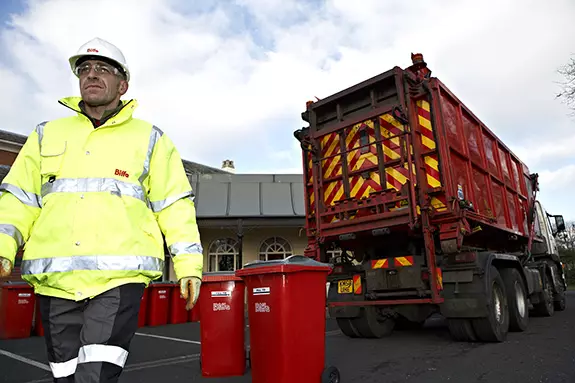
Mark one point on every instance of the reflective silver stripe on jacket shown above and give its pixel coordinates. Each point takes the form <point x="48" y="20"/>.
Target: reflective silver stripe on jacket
<point x="92" y="262"/>
<point x="87" y="185"/>
<point x="154" y="138"/>
<point x="158" y="206"/>
<point x="13" y="232"/>
<point x="27" y="198"/>
<point x="186" y="248"/>
<point x="40" y="132"/>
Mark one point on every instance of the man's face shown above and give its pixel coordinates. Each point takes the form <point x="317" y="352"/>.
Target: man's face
<point x="100" y="83"/>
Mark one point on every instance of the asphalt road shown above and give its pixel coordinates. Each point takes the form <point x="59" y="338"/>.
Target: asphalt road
<point x="544" y="353"/>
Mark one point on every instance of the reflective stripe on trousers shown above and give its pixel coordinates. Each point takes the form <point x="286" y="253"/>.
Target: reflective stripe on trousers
<point x="90" y="353"/>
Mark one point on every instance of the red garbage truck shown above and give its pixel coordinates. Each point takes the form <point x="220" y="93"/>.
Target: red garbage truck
<point x="422" y="209"/>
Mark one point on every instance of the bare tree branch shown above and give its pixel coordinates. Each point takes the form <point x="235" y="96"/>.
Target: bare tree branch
<point x="567" y="93"/>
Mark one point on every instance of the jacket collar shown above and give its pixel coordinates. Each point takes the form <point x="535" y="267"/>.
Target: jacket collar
<point x="123" y="115"/>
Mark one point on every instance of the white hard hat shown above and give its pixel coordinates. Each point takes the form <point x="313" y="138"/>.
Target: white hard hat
<point x="102" y="48"/>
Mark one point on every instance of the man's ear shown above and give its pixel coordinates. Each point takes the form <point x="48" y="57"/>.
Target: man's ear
<point x="123" y="88"/>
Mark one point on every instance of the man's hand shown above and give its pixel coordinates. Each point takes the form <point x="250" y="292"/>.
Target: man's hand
<point x="5" y="267"/>
<point x="190" y="290"/>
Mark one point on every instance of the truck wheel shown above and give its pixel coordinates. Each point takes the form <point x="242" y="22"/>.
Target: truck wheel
<point x="560" y="301"/>
<point x="495" y="326"/>
<point x="330" y="375"/>
<point x="516" y="299"/>
<point x="559" y="296"/>
<point x="346" y="327"/>
<point x="461" y="329"/>
<point x="368" y="325"/>
<point x="546" y="306"/>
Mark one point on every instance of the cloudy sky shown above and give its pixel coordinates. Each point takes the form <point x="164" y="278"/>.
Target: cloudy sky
<point x="230" y="80"/>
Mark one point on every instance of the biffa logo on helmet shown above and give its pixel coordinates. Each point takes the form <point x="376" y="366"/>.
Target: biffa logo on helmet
<point x="121" y="173"/>
<point x="92" y="50"/>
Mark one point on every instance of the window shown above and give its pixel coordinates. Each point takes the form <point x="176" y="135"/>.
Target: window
<point x="274" y="248"/>
<point x="223" y="254"/>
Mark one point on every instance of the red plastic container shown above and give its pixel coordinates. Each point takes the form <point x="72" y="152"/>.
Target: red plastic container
<point x="222" y="329"/>
<point x="38" y="327"/>
<point x="178" y="312"/>
<point x="159" y="303"/>
<point x="17" y="304"/>
<point x="286" y="311"/>
<point x="142" y="316"/>
<point x="194" y="313"/>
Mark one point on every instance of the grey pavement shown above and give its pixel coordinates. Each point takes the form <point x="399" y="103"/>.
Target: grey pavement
<point x="544" y="353"/>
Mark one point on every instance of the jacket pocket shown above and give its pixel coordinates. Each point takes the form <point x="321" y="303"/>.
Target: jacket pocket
<point x="52" y="157"/>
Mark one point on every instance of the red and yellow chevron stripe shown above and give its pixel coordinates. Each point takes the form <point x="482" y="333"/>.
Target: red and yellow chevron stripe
<point x="403" y="261"/>
<point x="431" y="159"/>
<point x="439" y="279"/>
<point x="361" y="156"/>
<point x="379" y="264"/>
<point x="331" y="167"/>
<point x="309" y="181"/>
<point x="357" y="284"/>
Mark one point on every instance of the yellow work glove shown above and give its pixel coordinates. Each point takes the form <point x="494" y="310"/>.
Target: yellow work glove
<point x="5" y="267"/>
<point x="190" y="290"/>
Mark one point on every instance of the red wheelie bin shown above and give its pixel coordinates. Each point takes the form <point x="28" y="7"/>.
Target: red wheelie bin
<point x="17" y="305"/>
<point x="178" y="312"/>
<point x="143" y="315"/>
<point x="222" y="327"/>
<point x="158" y="303"/>
<point x="286" y="313"/>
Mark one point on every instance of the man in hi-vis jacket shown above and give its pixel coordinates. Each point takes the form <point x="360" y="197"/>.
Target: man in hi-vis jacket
<point x="90" y="196"/>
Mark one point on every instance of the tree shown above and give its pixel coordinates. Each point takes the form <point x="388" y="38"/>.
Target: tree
<point x="568" y="85"/>
<point x="566" y="245"/>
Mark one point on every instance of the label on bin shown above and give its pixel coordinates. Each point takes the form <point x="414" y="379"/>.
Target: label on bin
<point x="23" y="301"/>
<point x="261" y="291"/>
<point x="221" y="294"/>
<point x="262" y="307"/>
<point x="222" y="307"/>
<point x="25" y="295"/>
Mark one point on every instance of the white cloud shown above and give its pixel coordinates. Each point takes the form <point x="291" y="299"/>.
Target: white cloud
<point x="231" y="80"/>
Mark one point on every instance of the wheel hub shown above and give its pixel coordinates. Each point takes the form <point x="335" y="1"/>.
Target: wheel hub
<point x="520" y="298"/>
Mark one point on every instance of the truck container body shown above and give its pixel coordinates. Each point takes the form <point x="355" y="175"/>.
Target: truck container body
<point x="415" y="193"/>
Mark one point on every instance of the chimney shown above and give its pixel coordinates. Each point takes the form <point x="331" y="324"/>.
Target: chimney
<point x="228" y="166"/>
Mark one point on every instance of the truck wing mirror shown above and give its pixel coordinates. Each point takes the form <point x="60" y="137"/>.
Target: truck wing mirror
<point x="559" y="223"/>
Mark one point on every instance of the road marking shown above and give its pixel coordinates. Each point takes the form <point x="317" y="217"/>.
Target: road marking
<point x="26" y="360"/>
<point x="143" y="365"/>
<point x="162" y="362"/>
<point x="169" y="338"/>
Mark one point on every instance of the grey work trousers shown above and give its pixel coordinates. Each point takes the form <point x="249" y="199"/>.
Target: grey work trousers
<point x="88" y="341"/>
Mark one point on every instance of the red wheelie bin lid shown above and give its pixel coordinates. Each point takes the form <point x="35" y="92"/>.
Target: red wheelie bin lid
<point x="220" y="276"/>
<point x="291" y="264"/>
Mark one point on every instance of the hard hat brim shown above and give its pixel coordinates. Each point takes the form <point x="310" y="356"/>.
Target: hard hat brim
<point x="74" y="60"/>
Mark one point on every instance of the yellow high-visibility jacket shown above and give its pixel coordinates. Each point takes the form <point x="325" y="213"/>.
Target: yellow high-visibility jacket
<point x="91" y="205"/>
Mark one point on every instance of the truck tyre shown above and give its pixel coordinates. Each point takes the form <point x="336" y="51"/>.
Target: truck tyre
<point x="546" y="306"/>
<point x="516" y="299"/>
<point x="560" y="301"/>
<point x="368" y="325"/>
<point x="346" y="327"/>
<point x="461" y="329"/>
<point x="495" y="326"/>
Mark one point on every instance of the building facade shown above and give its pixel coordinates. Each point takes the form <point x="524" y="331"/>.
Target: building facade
<point x="241" y="217"/>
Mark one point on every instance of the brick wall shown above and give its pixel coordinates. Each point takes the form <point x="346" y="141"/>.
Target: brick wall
<point x="7" y="158"/>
